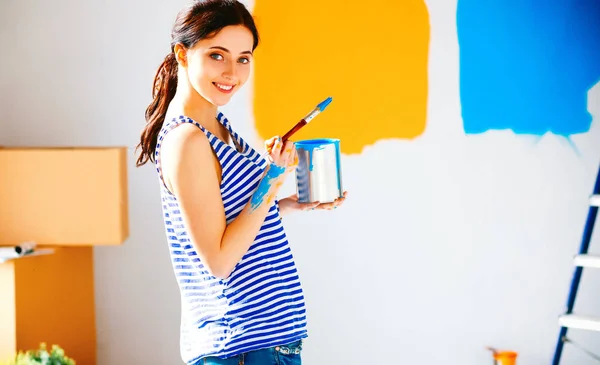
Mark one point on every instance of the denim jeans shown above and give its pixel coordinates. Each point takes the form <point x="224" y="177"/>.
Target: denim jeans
<point x="279" y="355"/>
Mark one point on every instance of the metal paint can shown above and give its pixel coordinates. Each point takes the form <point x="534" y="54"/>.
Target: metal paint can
<point x="319" y="173"/>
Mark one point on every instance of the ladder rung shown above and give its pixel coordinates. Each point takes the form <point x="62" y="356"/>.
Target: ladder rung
<point x="595" y="200"/>
<point x="587" y="261"/>
<point x="579" y="322"/>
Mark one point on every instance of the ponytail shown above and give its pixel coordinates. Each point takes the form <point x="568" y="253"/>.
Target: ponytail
<point x="165" y="85"/>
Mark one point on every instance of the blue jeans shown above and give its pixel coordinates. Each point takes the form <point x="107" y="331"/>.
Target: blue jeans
<point x="279" y="355"/>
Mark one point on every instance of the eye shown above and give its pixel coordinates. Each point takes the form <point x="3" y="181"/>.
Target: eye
<point x="216" y="56"/>
<point x="244" y="60"/>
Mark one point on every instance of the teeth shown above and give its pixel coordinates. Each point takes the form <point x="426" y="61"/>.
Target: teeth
<point x="224" y="87"/>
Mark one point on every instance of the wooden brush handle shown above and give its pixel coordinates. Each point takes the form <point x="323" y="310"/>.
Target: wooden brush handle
<point x="295" y="129"/>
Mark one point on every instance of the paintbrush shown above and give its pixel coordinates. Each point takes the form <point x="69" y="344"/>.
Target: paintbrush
<point x="494" y="353"/>
<point x="304" y="121"/>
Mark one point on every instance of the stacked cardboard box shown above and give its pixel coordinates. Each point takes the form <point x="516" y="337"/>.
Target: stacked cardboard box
<point x="70" y="199"/>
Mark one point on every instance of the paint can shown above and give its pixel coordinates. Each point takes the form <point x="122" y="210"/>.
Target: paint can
<point x="319" y="174"/>
<point x="506" y="358"/>
<point x="503" y="357"/>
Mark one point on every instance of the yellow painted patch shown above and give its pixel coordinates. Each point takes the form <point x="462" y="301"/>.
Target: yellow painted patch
<point x="370" y="57"/>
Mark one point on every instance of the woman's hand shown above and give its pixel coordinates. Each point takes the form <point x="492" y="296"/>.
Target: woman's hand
<point x="282" y="155"/>
<point x="291" y="203"/>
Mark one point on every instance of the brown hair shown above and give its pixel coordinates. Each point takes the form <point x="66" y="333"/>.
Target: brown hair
<point x="200" y="20"/>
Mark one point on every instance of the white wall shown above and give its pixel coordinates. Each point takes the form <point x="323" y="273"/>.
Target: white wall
<point x="426" y="265"/>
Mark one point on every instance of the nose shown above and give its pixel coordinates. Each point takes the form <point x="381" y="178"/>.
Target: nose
<point x="229" y="72"/>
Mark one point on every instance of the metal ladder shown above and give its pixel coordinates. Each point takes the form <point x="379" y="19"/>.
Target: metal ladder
<point x="581" y="260"/>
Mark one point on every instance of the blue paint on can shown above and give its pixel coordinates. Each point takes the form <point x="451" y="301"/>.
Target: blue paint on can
<point x="311" y="145"/>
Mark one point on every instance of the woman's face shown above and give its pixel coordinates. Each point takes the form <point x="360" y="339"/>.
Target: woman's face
<point x="217" y="67"/>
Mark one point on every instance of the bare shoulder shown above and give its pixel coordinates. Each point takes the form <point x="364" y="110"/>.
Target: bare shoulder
<point x="185" y="153"/>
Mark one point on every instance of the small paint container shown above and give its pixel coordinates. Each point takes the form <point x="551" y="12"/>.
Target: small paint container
<point x="505" y="358"/>
<point x="319" y="173"/>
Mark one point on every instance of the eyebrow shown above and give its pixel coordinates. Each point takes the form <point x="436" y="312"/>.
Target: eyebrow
<point x="226" y="50"/>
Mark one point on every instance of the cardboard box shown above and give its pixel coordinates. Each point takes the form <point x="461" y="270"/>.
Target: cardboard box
<point x="63" y="196"/>
<point x="49" y="299"/>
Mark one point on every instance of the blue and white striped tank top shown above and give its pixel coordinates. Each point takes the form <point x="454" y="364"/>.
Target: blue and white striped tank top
<point x="261" y="304"/>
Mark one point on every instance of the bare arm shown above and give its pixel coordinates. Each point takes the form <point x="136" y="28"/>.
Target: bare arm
<point x="192" y="174"/>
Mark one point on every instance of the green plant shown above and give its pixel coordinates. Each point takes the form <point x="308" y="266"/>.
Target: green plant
<point x="41" y="356"/>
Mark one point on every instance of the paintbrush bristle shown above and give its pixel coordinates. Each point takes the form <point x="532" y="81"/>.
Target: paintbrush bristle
<point x="322" y="105"/>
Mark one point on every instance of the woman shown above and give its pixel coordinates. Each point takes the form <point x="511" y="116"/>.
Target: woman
<point x="241" y="297"/>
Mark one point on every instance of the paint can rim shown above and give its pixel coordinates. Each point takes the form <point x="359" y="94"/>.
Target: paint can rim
<point x="316" y="141"/>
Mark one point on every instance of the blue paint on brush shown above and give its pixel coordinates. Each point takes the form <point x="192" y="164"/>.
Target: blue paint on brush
<point x="527" y="66"/>
<point x="322" y="105"/>
<point x="259" y="195"/>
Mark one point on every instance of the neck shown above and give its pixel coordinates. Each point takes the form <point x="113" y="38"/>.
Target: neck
<point x="189" y="103"/>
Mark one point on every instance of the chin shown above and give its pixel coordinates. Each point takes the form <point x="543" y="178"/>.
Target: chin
<point x="220" y="101"/>
<point x="216" y="98"/>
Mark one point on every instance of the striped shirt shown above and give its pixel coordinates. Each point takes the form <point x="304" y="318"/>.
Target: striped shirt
<point x="261" y="303"/>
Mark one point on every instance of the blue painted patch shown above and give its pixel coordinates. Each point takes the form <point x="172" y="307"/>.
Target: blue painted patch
<point x="527" y="65"/>
<point x="273" y="172"/>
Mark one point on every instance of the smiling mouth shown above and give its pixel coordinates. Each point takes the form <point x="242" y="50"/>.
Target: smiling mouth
<point x="223" y="88"/>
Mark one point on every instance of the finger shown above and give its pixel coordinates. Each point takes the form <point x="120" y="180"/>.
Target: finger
<point x="295" y="157"/>
<point x="270" y="143"/>
<point x="327" y="206"/>
<point x="338" y="202"/>
<point x="288" y="148"/>
<point x="334" y="204"/>
<point x="286" y="152"/>
<point x="341" y="199"/>
<point x="293" y="160"/>
<point x="276" y="149"/>
<point x="309" y="206"/>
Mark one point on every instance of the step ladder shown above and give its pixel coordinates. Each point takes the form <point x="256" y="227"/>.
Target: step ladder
<point x="581" y="260"/>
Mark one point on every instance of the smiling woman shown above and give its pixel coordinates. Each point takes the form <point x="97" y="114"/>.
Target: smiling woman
<point x="241" y="297"/>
